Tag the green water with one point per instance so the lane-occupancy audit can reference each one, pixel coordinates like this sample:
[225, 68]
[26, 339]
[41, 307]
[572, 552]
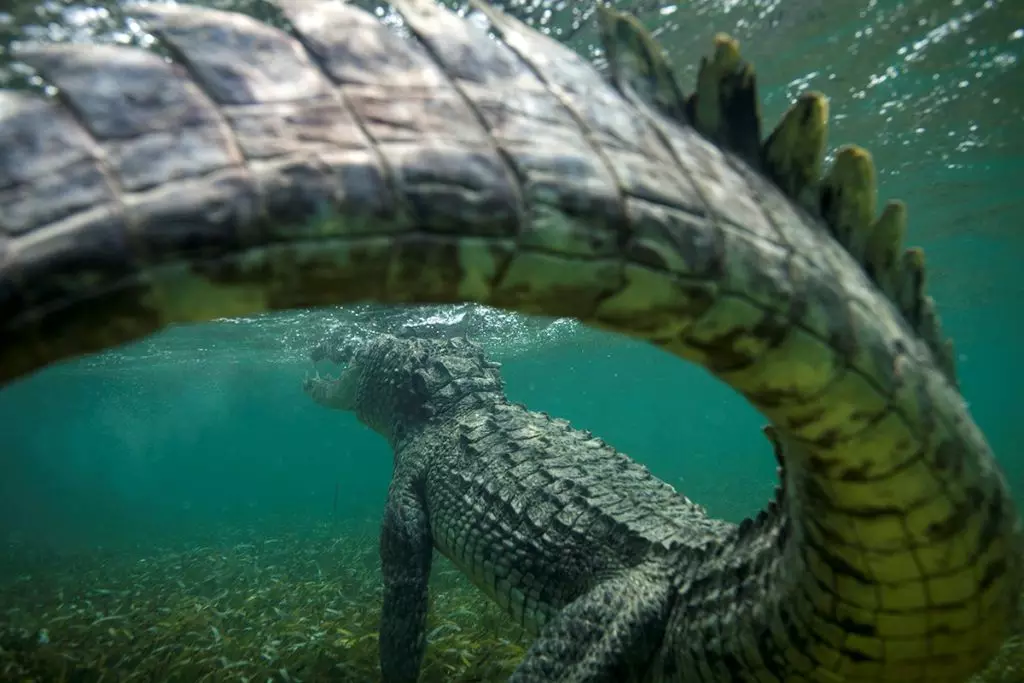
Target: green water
[207, 424]
[169, 448]
[206, 428]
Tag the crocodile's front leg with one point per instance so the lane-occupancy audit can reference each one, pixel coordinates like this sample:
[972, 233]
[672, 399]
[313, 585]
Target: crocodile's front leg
[406, 550]
[608, 635]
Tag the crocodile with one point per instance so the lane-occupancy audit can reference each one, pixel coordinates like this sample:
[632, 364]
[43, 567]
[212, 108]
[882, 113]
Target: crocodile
[538, 515]
[418, 157]
[359, 321]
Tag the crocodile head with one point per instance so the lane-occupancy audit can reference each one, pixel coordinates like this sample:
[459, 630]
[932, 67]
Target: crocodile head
[395, 385]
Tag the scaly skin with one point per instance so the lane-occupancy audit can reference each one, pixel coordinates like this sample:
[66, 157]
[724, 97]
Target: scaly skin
[345, 162]
[537, 514]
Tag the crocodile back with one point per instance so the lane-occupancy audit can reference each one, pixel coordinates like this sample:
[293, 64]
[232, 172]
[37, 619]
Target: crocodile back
[536, 513]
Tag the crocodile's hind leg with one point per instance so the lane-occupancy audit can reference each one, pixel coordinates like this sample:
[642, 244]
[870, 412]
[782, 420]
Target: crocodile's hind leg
[608, 635]
[406, 550]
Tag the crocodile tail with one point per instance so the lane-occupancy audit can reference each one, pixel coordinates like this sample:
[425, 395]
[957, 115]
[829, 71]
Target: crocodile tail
[725, 109]
[772, 434]
[779, 449]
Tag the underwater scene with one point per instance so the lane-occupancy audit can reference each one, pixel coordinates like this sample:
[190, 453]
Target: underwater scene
[208, 503]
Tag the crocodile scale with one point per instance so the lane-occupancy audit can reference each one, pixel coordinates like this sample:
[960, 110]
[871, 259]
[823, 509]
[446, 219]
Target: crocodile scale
[429, 159]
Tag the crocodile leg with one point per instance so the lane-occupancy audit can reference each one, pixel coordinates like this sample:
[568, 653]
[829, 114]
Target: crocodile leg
[406, 552]
[608, 635]
[406, 548]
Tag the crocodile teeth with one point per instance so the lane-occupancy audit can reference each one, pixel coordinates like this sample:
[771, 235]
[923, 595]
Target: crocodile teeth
[794, 153]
